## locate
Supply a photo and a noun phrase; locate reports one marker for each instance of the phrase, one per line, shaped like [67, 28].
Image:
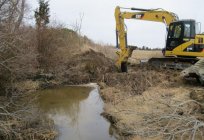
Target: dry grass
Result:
[108, 51]
[151, 104]
[27, 86]
[159, 113]
[20, 119]
[143, 54]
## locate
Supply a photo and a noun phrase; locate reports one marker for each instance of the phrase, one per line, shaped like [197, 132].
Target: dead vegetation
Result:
[139, 55]
[32, 59]
[20, 72]
[22, 120]
[145, 103]
[153, 104]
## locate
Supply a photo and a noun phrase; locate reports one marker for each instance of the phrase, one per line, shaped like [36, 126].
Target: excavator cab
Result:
[180, 32]
[183, 40]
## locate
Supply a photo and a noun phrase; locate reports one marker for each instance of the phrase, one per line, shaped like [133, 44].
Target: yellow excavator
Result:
[183, 43]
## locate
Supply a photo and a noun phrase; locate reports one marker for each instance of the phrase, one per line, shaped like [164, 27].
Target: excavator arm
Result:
[156, 15]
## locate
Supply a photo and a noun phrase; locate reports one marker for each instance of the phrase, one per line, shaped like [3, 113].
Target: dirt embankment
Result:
[146, 103]
[87, 67]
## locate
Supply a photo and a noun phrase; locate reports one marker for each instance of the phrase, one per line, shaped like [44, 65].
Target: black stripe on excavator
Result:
[175, 59]
[172, 62]
[126, 41]
[139, 9]
[117, 45]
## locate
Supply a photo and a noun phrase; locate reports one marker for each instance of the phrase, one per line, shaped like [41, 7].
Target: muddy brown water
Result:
[76, 113]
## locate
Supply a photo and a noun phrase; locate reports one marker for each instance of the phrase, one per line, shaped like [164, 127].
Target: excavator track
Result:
[178, 63]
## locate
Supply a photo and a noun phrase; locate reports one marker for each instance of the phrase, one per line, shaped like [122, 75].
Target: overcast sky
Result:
[99, 23]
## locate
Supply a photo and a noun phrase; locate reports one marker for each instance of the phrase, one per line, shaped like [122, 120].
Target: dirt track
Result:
[144, 103]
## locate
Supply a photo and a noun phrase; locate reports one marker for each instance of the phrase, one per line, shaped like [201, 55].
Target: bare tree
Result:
[78, 24]
[11, 14]
[14, 47]
[42, 20]
[21, 14]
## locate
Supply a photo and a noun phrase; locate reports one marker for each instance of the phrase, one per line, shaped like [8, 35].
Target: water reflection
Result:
[76, 113]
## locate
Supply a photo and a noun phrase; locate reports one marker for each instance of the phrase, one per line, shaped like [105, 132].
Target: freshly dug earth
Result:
[87, 67]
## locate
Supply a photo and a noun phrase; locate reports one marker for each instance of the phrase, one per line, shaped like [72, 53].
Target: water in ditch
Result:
[76, 113]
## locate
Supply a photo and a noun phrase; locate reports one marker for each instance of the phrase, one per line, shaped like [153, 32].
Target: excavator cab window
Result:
[177, 31]
[187, 30]
[175, 35]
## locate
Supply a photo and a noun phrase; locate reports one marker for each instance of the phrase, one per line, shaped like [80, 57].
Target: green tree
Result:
[42, 14]
[42, 20]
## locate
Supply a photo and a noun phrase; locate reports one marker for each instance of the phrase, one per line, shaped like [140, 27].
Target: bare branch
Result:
[21, 15]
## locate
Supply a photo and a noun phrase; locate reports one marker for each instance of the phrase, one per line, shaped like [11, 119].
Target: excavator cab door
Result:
[175, 35]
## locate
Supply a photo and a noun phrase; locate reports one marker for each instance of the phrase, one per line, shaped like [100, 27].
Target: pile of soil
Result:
[87, 67]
